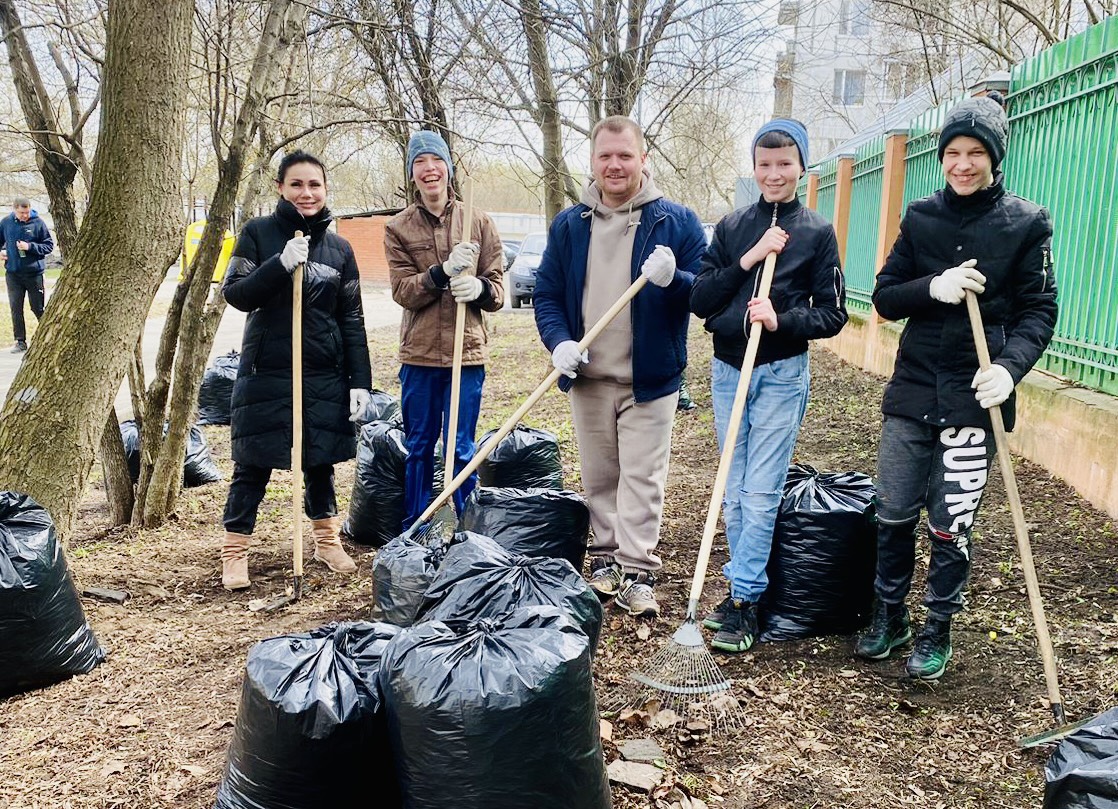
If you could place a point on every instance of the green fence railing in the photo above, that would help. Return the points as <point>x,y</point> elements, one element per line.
<point>923,174</point>
<point>861,234</point>
<point>1063,154</point>
<point>828,185</point>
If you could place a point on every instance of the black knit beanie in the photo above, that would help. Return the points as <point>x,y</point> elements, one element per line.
<point>982,117</point>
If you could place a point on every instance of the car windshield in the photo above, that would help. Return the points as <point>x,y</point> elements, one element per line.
<point>533,245</point>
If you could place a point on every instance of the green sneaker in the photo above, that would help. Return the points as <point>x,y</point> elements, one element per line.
<point>739,628</point>
<point>888,630</point>
<point>605,577</point>
<point>932,649</point>
<point>717,616</point>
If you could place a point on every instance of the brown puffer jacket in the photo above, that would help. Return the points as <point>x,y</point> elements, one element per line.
<point>414,241</point>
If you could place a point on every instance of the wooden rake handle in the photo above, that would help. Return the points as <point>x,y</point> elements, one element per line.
<point>459,339</point>
<point>1020,529</point>
<point>487,448</point>
<point>297,419</point>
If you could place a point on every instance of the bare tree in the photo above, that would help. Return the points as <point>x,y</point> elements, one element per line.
<point>55,410</point>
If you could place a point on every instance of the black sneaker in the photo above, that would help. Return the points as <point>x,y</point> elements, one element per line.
<point>605,577</point>
<point>716,616</point>
<point>636,595</point>
<point>19,347</point>
<point>739,628</point>
<point>932,649</point>
<point>686,403</point>
<point>888,630</point>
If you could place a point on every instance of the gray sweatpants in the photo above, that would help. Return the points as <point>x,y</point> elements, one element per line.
<point>623,449</point>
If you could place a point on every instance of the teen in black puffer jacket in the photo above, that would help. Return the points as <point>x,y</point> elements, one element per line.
<point>336,368</point>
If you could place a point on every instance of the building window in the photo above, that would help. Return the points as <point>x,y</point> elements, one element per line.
<point>850,87</point>
<point>789,12</point>
<point>854,18</point>
<point>901,79</point>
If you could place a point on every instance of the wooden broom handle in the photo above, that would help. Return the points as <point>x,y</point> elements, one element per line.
<point>297,416</point>
<point>459,339</point>
<point>1020,529</point>
<point>487,448</point>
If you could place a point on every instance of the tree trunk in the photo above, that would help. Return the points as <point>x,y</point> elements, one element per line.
<point>119,489</point>
<point>547,100</point>
<point>54,416</point>
<point>192,323</point>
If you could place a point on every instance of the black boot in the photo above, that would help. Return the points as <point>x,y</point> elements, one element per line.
<point>932,649</point>
<point>888,630</point>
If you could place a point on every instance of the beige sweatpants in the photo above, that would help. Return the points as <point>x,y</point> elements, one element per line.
<point>623,449</point>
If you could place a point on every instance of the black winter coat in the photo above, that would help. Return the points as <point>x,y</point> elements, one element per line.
<point>1010,238</point>
<point>335,348</point>
<point>808,293</point>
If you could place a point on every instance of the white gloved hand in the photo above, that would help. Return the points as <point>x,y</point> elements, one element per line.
<point>659,267</point>
<point>466,288</point>
<point>992,386</point>
<point>295,252</point>
<point>358,400</point>
<point>950,286</point>
<point>462,257</point>
<point>566,358</point>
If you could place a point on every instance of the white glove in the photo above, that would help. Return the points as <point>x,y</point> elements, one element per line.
<point>992,386</point>
<point>295,252</point>
<point>566,357</point>
<point>659,267</point>
<point>462,257</point>
<point>950,285</point>
<point>466,288</point>
<point>358,399</point>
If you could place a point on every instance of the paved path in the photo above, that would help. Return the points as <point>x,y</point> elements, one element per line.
<point>380,310</point>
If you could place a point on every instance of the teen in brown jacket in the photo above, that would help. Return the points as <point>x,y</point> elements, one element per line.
<point>427,257</point>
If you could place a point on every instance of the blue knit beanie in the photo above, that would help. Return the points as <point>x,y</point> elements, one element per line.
<point>427,142</point>
<point>790,127</point>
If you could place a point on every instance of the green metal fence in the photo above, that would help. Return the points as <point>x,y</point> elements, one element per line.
<point>861,234</point>
<point>1063,154</point>
<point>828,184</point>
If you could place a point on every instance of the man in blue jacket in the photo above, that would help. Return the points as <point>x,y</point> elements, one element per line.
<point>623,391</point>
<point>27,241</point>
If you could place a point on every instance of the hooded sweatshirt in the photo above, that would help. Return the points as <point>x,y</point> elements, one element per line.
<point>608,275</point>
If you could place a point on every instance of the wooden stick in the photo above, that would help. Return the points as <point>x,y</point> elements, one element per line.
<point>1024,547</point>
<point>297,423</point>
<point>487,448</point>
<point>459,338</point>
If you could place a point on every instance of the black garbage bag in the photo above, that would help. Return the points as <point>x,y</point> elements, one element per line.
<point>44,636</point>
<point>311,731</point>
<point>403,570</point>
<point>495,714</point>
<point>526,458</point>
<point>824,550</point>
<point>381,407</point>
<point>215,396</point>
<point>376,506</point>
<point>198,467</point>
<point>531,522</point>
<point>477,578</point>
<point>1083,771</point>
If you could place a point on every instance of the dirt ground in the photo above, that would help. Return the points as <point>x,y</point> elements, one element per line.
<point>150,727</point>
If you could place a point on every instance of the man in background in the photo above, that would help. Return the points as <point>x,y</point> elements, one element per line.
<point>27,242</point>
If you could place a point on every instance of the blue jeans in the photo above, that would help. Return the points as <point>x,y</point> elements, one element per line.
<point>425,405</point>
<point>770,424</point>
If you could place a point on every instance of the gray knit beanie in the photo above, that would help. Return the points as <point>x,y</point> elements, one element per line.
<point>983,118</point>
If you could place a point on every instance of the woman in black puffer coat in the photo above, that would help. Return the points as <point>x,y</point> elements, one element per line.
<point>336,369</point>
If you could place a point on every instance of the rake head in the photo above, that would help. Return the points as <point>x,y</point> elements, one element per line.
<point>684,684</point>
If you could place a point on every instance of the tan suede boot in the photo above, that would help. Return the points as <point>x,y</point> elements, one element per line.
<point>328,548</point>
<point>234,561</point>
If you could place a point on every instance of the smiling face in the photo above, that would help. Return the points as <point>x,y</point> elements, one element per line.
<point>431,177</point>
<point>967,165</point>
<point>777,172</point>
<point>617,162</point>
<point>304,186</point>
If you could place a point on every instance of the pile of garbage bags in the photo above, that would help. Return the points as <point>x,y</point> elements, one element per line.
<point>198,468</point>
<point>215,396</point>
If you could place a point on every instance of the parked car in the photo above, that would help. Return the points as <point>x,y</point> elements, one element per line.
<point>511,248</point>
<point>522,273</point>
